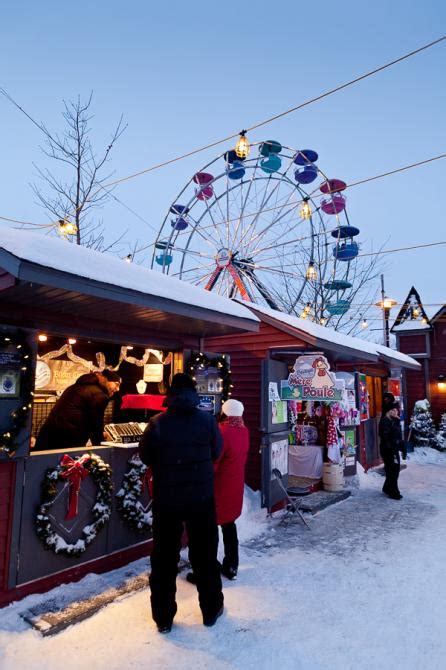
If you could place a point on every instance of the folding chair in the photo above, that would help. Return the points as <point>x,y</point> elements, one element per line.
<point>293,501</point>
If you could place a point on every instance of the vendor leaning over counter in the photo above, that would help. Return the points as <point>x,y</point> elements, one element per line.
<point>78,415</point>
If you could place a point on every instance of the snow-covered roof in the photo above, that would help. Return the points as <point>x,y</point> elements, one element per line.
<point>51,252</point>
<point>328,336</point>
<point>410,324</point>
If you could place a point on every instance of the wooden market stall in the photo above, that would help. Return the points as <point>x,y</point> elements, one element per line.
<point>66,310</point>
<point>262,361</point>
<point>423,338</point>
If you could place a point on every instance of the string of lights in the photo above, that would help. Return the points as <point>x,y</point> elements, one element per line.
<point>243,138</point>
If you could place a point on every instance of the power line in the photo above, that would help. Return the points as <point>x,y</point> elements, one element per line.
<point>281,114</point>
<point>264,122</point>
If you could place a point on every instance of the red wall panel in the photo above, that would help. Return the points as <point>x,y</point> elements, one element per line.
<point>7,481</point>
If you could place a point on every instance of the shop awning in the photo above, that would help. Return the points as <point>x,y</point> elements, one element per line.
<point>48,282</point>
<point>342,347</point>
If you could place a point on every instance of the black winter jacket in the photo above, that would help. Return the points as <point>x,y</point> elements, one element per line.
<point>180,445</point>
<point>78,416</point>
<point>391,437</point>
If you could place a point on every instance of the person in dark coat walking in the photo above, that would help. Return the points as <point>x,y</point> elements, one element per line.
<point>390,446</point>
<point>78,415</point>
<point>229,473</point>
<point>388,401</point>
<point>181,446</point>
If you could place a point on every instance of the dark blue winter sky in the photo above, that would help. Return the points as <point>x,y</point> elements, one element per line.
<point>186,74</point>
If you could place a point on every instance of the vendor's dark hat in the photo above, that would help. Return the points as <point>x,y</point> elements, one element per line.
<point>111,375</point>
<point>181,381</point>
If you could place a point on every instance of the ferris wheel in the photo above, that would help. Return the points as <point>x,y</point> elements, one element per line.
<point>258,229</point>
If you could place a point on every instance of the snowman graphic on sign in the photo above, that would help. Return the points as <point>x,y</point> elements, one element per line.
<point>321,377</point>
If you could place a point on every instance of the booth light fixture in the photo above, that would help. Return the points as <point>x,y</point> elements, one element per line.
<point>242,148</point>
<point>72,340</point>
<point>441,383</point>
<point>42,337</point>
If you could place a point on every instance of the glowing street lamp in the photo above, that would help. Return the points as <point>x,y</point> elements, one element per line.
<point>386,305</point>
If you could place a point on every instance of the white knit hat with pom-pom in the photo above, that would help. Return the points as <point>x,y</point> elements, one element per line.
<point>232,407</point>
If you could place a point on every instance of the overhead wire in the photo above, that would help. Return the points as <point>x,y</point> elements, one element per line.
<point>265,121</point>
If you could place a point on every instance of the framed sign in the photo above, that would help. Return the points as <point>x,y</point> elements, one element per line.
<point>311,379</point>
<point>207,403</point>
<point>9,382</point>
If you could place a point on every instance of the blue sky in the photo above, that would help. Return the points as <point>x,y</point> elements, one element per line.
<point>186,74</point>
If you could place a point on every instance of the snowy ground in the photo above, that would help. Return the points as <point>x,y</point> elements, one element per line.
<point>365,588</point>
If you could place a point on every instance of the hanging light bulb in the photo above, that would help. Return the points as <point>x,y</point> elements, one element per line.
<point>42,337</point>
<point>67,227</point>
<point>323,321</point>
<point>307,307</point>
<point>128,258</point>
<point>311,273</point>
<point>364,324</point>
<point>71,340</point>
<point>242,148</point>
<point>303,314</point>
<point>416,312</point>
<point>305,210</point>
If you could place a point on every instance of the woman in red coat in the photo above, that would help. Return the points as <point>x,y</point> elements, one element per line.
<point>229,481</point>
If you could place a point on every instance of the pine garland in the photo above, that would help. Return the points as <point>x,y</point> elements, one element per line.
<point>101,475</point>
<point>18,417</point>
<point>129,495</point>
<point>200,361</point>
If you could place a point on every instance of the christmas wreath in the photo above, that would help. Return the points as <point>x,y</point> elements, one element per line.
<point>72,472</point>
<point>17,355</point>
<point>200,361</point>
<point>129,503</point>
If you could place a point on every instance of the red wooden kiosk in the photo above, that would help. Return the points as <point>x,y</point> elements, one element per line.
<point>91,310</point>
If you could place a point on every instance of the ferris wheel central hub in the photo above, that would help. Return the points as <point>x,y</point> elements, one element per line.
<point>223,258</point>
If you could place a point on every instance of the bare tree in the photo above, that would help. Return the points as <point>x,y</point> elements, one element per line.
<point>72,194</point>
<point>314,301</point>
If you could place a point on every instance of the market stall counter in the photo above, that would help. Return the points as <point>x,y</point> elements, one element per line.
<point>72,521</point>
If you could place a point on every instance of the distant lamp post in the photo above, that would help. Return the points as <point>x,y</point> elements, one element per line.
<point>386,305</point>
<point>441,383</point>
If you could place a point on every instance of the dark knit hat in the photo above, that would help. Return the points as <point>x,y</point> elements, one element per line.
<point>110,375</point>
<point>181,381</point>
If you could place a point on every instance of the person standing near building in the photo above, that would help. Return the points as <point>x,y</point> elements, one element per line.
<point>181,446</point>
<point>229,483</point>
<point>78,415</point>
<point>390,446</point>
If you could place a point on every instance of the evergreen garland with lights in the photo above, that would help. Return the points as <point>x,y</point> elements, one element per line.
<point>101,475</point>
<point>200,361</point>
<point>129,495</point>
<point>18,417</point>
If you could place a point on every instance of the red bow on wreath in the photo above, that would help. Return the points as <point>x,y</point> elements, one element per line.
<point>74,472</point>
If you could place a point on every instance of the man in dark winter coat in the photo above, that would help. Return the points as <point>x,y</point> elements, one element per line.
<point>78,415</point>
<point>390,446</point>
<point>181,445</point>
